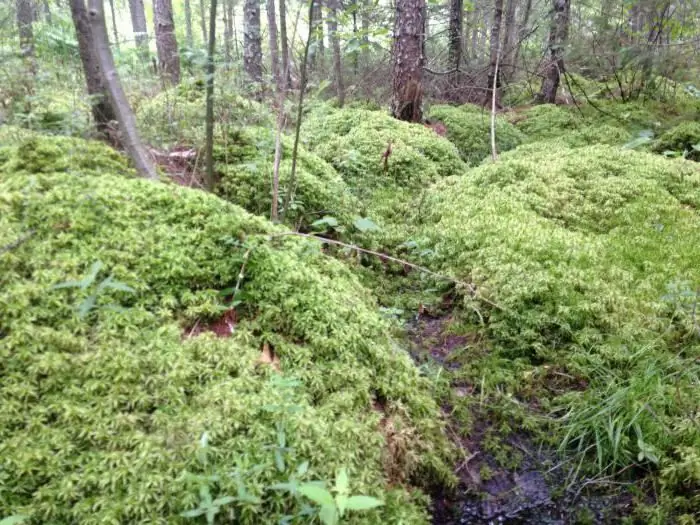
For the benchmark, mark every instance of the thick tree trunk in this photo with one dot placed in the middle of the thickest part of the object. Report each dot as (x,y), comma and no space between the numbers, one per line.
(286,72)
(114,23)
(166,42)
(252,49)
(274,45)
(25,19)
(188,24)
(101,109)
(454,52)
(558,35)
(508,62)
(332,22)
(203,19)
(138,22)
(408,60)
(495,51)
(318,49)
(125,116)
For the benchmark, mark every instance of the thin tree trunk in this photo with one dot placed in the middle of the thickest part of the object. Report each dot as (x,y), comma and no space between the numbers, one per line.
(252,49)
(508,63)
(454,52)
(355,56)
(188,24)
(138,23)
(274,45)
(365,24)
(228,30)
(317,51)
(475,53)
(332,22)
(166,42)
(210,176)
(203,19)
(102,112)
(114,23)
(120,104)
(284,45)
(558,34)
(495,51)
(408,60)
(522,31)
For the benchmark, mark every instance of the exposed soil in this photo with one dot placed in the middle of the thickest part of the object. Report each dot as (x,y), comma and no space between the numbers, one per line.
(539,490)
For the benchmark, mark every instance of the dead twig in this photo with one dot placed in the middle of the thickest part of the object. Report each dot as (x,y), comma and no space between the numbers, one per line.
(18,242)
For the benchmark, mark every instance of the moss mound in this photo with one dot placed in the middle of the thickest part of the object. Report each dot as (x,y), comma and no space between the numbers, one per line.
(469,128)
(104,397)
(177,115)
(683,139)
(245,161)
(590,255)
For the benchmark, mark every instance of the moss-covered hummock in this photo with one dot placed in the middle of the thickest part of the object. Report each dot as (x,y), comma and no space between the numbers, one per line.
(681,140)
(102,412)
(469,128)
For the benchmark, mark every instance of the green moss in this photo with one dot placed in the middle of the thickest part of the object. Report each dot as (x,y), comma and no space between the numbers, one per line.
(101,414)
(683,139)
(590,255)
(469,128)
(246,167)
(545,121)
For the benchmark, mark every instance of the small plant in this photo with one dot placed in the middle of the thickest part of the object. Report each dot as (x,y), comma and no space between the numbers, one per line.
(90,302)
(334,507)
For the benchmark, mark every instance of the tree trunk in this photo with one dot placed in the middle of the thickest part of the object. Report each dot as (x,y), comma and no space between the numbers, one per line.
(102,112)
(114,23)
(318,50)
(228,32)
(203,19)
(166,42)
(209,119)
(495,51)
(125,116)
(508,62)
(365,24)
(138,22)
(522,30)
(25,19)
(454,52)
(252,49)
(274,45)
(558,34)
(188,24)
(476,18)
(286,72)
(408,60)
(332,22)
(47,11)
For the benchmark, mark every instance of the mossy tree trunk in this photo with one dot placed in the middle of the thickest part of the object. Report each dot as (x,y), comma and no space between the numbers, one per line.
(102,112)
(117,98)
(408,60)
(252,48)
(558,35)
(495,52)
(332,22)
(138,23)
(166,41)
(454,51)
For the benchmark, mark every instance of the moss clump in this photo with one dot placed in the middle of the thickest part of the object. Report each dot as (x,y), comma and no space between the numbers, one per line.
(683,139)
(469,128)
(178,115)
(101,413)
(545,121)
(591,256)
(246,162)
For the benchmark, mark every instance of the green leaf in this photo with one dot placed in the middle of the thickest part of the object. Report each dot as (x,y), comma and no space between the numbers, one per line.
(635,143)
(327,221)
(328,515)
(94,270)
(194,513)
(67,284)
(303,468)
(14,519)
(224,500)
(317,494)
(116,285)
(341,481)
(365,225)
(87,305)
(362,503)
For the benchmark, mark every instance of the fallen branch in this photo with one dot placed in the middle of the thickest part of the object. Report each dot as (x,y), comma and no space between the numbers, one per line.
(16,243)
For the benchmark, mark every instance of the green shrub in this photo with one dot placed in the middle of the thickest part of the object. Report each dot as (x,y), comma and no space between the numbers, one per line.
(101,414)
(469,128)
(590,255)
(683,139)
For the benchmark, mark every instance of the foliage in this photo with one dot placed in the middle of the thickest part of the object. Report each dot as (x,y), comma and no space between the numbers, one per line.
(469,128)
(682,140)
(101,415)
(588,257)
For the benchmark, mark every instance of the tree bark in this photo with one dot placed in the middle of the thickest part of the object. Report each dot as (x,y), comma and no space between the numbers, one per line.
(203,19)
(228,32)
(508,63)
(408,60)
(495,51)
(166,42)
(332,22)
(188,24)
(558,35)
(274,45)
(114,23)
(318,50)
(286,72)
(25,20)
(252,49)
(209,119)
(125,116)
(454,52)
(101,109)
(138,22)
